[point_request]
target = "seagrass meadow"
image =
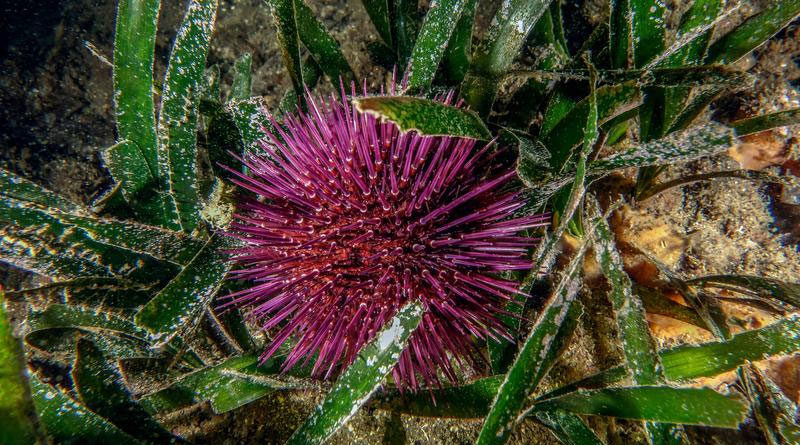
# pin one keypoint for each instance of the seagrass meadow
(400, 222)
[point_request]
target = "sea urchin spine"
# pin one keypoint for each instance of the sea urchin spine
(351, 219)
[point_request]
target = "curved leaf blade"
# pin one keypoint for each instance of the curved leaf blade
(638, 346)
(283, 16)
(227, 386)
(709, 359)
(427, 117)
(682, 146)
(767, 122)
(137, 238)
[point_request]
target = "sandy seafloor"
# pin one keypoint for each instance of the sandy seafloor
(57, 117)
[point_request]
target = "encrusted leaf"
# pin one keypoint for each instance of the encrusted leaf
(492, 58)
(99, 385)
(249, 117)
(538, 353)
(138, 183)
(23, 249)
(440, 21)
(283, 16)
(773, 411)
(683, 146)
(115, 335)
(459, 49)
(568, 132)
(694, 34)
(241, 89)
(638, 346)
(637, 32)
(425, 116)
(355, 386)
(751, 34)
(177, 125)
(56, 244)
(177, 307)
(767, 122)
(689, 406)
(19, 424)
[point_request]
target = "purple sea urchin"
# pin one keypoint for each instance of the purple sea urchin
(355, 218)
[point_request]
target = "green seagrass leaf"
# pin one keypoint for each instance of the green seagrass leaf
(681, 363)
(134, 46)
(751, 34)
(249, 117)
(153, 241)
(20, 424)
(283, 17)
(360, 380)
(709, 359)
(68, 422)
(459, 49)
(612, 100)
(469, 401)
(178, 306)
(569, 428)
(322, 47)
(100, 387)
(766, 122)
(439, 25)
(177, 125)
(378, 11)
(241, 89)
(427, 117)
(666, 404)
(17, 187)
(536, 356)
(507, 32)
(227, 386)
(638, 346)
(682, 146)
(70, 246)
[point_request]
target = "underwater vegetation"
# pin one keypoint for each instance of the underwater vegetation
(419, 250)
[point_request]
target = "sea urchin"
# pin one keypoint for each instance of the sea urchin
(352, 218)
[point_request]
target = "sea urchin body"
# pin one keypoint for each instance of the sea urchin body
(351, 219)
